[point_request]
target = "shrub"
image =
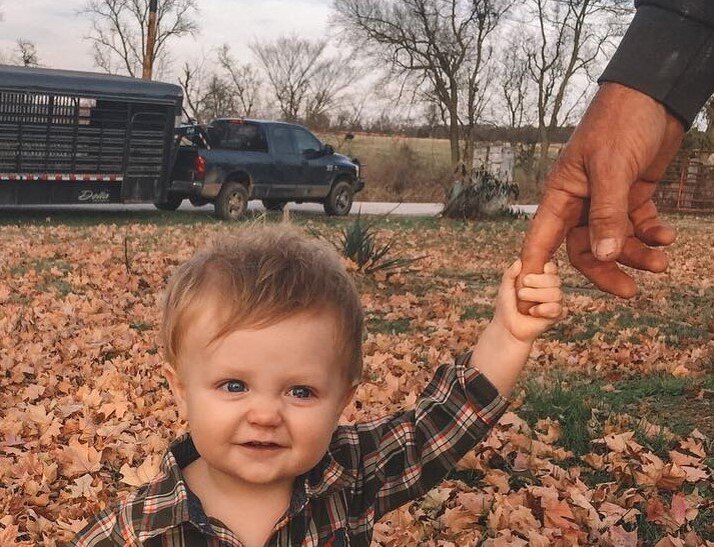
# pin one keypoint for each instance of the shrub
(358, 242)
(482, 195)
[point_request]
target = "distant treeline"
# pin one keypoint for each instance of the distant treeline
(483, 133)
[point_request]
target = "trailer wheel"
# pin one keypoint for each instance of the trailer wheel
(232, 201)
(171, 204)
(339, 201)
(274, 204)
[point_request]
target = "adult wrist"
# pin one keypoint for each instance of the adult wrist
(666, 56)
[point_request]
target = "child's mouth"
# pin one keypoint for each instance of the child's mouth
(261, 446)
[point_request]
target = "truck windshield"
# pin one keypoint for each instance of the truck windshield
(238, 136)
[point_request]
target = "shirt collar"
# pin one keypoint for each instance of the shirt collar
(178, 504)
(328, 476)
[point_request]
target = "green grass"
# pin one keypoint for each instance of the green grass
(661, 399)
(611, 323)
(595, 477)
(568, 401)
(41, 265)
(477, 312)
(79, 217)
(397, 326)
(648, 533)
(140, 326)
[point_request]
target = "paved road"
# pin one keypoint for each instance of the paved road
(365, 207)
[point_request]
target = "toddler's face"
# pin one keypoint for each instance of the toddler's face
(261, 404)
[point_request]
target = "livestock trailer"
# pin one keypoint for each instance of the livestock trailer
(71, 137)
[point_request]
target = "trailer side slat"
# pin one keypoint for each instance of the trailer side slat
(105, 130)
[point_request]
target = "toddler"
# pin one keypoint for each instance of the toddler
(262, 336)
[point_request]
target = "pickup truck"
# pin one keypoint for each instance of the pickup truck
(70, 137)
(234, 160)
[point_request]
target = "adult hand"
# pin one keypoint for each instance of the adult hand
(599, 191)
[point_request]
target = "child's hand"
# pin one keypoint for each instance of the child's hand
(544, 289)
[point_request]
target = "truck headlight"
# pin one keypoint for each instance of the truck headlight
(357, 166)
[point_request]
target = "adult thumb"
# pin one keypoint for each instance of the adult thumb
(608, 219)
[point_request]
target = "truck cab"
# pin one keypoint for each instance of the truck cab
(233, 160)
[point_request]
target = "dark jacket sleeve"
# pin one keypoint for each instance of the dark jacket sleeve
(668, 53)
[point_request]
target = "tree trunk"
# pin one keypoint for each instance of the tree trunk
(454, 135)
(542, 166)
(468, 156)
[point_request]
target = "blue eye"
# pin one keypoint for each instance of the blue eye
(234, 386)
(301, 392)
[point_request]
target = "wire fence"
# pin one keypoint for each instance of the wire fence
(688, 184)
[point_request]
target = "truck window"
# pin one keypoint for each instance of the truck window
(283, 141)
(244, 137)
(306, 142)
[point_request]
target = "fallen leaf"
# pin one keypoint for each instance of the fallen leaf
(78, 459)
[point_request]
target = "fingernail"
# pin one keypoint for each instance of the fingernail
(605, 248)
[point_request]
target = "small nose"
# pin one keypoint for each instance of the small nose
(264, 412)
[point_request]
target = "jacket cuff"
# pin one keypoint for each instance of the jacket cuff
(669, 57)
(481, 393)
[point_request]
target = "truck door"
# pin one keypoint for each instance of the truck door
(315, 174)
(287, 161)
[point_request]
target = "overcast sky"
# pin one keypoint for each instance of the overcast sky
(57, 30)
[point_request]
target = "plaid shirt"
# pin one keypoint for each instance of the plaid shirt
(369, 469)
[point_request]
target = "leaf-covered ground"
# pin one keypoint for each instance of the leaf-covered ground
(608, 441)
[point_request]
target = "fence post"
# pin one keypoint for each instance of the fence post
(682, 177)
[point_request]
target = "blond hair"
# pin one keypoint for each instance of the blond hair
(261, 276)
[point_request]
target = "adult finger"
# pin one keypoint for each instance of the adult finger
(605, 275)
(610, 182)
(557, 212)
(644, 217)
(636, 254)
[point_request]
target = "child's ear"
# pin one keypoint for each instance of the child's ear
(177, 388)
(349, 394)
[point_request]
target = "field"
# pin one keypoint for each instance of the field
(609, 439)
(413, 169)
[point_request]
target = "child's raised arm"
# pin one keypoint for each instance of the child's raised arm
(503, 348)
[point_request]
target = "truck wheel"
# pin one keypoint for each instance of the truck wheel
(171, 204)
(339, 200)
(232, 201)
(274, 204)
(198, 202)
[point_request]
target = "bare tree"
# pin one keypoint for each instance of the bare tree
(244, 79)
(440, 48)
(219, 99)
(119, 31)
(207, 94)
(191, 80)
(571, 39)
(304, 79)
(27, 53)
(289, 63)
(514, 82)
(220, 87)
